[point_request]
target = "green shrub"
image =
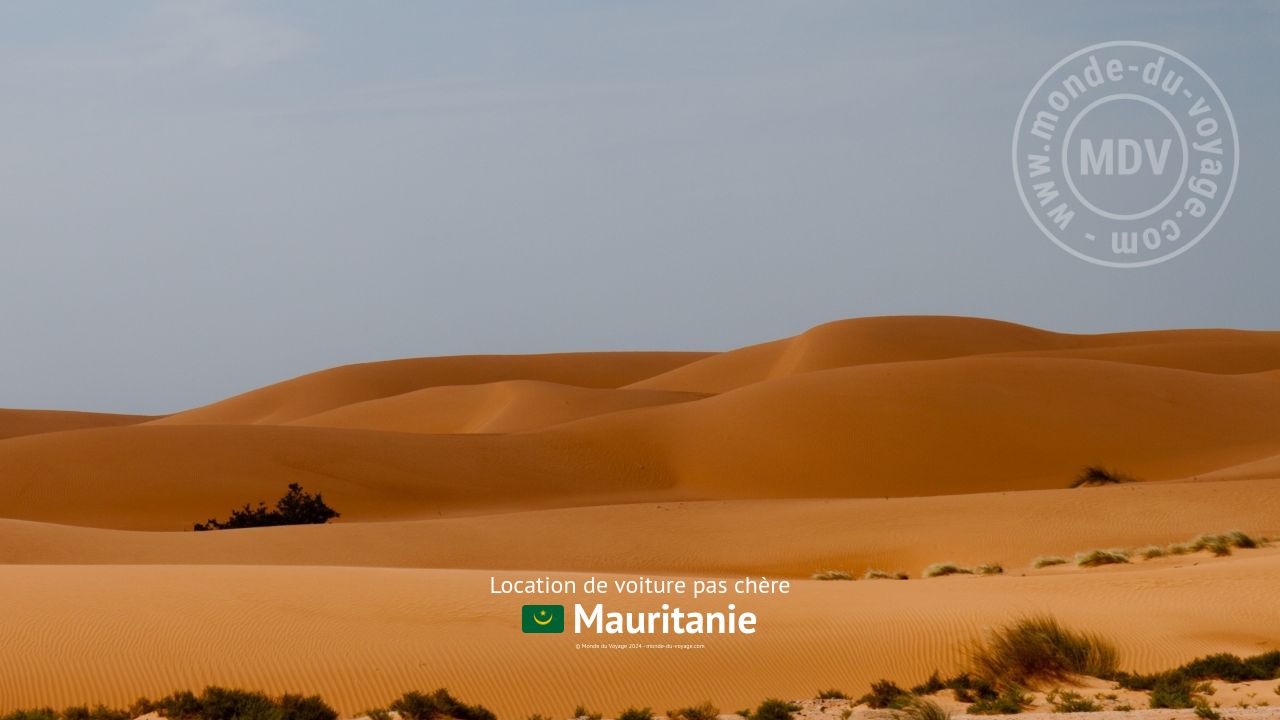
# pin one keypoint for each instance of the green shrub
(875, 574)
(437, 705)
(1171, 690)
(885, 694)
(295, 508)
(380, 714)
(832, 694)
(1066, 701)
(946, 568)
(931, 686)
(990, 569)
(832, 575)
(1095, 558)
(774, 709)
(101, 712)
(970, 688)
(1204, 711)
(1039, 648)
(1045, 561)
(635, 713)
(1095, 475)
(581, 712)
(37, 714)
(705, 711)
(1009, 702)
(1178, 549)
(298, 707)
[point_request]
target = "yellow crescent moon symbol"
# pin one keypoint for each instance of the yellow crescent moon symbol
(550, 617)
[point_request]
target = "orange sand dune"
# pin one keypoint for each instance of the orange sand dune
(884, 442)
(865, 341)
(158, 477)
(964, 425)
(503, 407)
(363, 636)
(710, 537)
(16, 423)
(942, 427)
(328, 389)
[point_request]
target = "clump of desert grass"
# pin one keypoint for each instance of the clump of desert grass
(1039, 648)
(989, 569)
(1099, 557)
(1096, 475)
(832, 575)
(705, 711)
(1068, 701)
(877, 574)
(636, 713)
(1045, 561)
(1151, 552)
(943, 569)
(1219, 544)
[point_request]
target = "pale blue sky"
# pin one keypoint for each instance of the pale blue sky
(200, 198)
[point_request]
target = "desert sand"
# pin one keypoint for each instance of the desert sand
(885, 443)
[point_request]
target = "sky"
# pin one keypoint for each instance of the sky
(199, 198)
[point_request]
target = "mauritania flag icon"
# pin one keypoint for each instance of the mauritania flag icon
(542, 618)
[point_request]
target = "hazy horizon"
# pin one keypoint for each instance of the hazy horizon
(206, 197)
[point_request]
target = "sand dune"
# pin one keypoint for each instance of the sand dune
(941, 427)
(502, 407)
(328, 389)
(883, 442)
(851, 534)
(16, 423)
(866, 341)
(365, 635)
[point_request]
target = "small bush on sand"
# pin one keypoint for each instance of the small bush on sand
(969, 688)
(1096, 558)
(1010, 702)
(925, 710)
(1045, 561)
(1178, 549)
(946, 568)
(833, 575)
(1205, 712)
(1219, 545)
(295, 508)
(437, 706)
(931, 686)
(1040, 648)
(876, 574)
(1151, 552)
(37, 714)
(885, 694)
(381, 714)
(990, 569)
(101, 712)
(1172, 691)
(832, 694)
(705, 711)
(582, 713)
(635, 713)
(1095, 475)
(1066, 701)
(774, 709)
